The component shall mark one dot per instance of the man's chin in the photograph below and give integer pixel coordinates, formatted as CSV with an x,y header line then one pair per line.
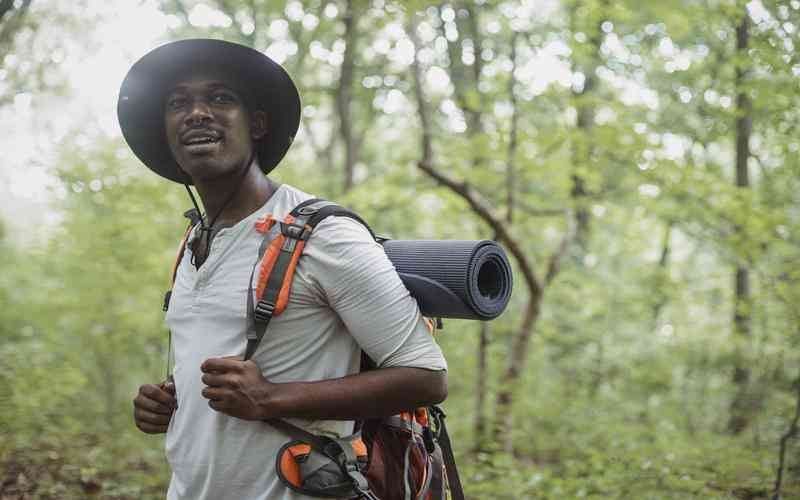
x,y
205,172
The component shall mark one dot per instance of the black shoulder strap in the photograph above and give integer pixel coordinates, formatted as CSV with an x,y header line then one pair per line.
x,y
453,479
318,210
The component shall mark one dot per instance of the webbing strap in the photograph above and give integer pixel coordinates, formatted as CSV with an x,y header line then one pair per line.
x,y
256,332
423,491
407,489
447,454
436,483
317,442
333,209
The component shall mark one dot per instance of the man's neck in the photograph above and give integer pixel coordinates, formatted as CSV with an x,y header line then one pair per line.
x,y
252,192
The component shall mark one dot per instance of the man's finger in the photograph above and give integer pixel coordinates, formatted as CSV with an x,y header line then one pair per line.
x,y
156,393
168,386
218,405
144,416
235,358
151,429
213,380
152,406
221,365
214,393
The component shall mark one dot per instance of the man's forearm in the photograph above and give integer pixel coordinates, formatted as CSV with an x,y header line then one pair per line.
x,y
374,393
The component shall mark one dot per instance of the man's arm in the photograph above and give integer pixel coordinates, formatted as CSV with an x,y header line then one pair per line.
x,y
358,282
238,389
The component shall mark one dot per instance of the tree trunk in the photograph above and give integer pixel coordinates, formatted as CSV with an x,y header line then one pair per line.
x,y
517,359
662,273
582,150
740,411
481,386
344,97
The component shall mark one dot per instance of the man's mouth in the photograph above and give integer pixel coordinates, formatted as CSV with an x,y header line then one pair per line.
x,y
201,141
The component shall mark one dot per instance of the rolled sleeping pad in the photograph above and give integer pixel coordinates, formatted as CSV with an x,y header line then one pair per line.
x,y
454,278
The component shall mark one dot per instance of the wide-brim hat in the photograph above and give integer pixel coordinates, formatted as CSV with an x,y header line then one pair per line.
x,y
140,108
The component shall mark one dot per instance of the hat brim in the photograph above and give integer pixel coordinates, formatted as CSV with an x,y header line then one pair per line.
x,y
141,99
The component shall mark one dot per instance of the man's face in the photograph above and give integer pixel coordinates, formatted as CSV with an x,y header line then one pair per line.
x,y
209,130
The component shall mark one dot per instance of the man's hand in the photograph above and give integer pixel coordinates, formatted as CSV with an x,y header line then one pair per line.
x,y
236,387
153,407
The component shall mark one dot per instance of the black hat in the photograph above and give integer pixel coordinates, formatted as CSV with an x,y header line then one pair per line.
x,y
141,99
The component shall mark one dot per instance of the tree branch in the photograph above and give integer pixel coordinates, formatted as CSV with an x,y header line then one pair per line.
x,y
512,134
344,95
793,430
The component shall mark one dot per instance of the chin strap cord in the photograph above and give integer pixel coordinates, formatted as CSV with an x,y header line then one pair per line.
x,y
208,228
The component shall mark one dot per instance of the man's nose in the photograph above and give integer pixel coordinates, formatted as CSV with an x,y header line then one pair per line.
x,y
199,112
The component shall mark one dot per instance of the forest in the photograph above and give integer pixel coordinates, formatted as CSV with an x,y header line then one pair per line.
x,y
638,161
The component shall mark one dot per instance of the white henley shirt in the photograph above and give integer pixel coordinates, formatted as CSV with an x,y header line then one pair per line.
x,y
346,296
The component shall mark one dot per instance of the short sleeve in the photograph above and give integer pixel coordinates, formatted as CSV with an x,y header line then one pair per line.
x,y
362,286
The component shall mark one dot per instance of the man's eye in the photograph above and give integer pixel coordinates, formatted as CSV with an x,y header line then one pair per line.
x,y
222,98
176,102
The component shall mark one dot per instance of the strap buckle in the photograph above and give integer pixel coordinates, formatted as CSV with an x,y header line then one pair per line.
x,y
263,311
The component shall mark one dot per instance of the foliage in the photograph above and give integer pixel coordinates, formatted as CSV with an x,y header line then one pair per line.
x,y
34,42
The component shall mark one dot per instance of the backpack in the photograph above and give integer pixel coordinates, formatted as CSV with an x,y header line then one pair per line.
x,y
401,457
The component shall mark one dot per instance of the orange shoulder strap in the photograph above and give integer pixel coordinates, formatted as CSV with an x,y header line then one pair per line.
x,y
178,258
278,260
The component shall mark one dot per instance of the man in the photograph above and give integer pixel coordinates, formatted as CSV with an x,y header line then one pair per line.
x,y
220,116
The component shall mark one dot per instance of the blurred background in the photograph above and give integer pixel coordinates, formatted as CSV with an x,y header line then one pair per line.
x,y
638,160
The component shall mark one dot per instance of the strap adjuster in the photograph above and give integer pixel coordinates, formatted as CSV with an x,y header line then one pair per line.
x,y
263,311
295,231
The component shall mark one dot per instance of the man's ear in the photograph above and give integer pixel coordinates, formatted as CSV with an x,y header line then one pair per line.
x,y
258,125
